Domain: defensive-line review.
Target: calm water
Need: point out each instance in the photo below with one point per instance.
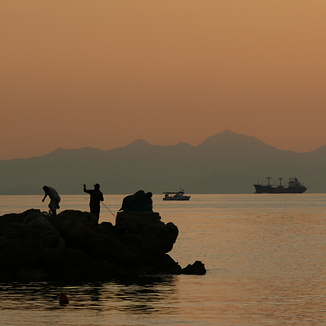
(265, 257)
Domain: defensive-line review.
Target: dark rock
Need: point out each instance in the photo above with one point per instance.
(31, 274)
(138, 202)
(197, 268)
(37, 246)
(3, 242)
(153, 235)
(78, 229)
(47, 234)
(31, 214)
(16, 218)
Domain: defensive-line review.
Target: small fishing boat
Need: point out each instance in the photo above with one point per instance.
(175, 195)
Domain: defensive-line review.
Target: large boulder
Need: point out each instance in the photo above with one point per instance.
(145, 230)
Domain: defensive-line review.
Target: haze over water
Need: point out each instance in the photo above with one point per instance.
(265, 257)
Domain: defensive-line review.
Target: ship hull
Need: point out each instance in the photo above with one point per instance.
(260, 189)
(177, 198)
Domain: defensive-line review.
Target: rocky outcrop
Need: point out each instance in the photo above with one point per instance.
(197, 268)
(35, 245)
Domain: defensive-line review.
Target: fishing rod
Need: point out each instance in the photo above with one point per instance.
(108, 209)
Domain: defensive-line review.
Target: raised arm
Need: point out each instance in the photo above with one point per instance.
(85, 190)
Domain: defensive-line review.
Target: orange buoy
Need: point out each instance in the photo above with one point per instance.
(63, 299)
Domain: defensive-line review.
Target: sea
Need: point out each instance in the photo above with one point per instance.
(265, 256)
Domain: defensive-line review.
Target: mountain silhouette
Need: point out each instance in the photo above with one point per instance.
(224, 163)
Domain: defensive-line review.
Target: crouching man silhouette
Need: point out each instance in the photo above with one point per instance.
(54, 199)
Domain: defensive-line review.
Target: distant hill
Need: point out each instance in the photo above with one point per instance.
(224, 163)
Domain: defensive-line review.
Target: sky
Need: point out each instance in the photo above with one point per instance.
(103, 73)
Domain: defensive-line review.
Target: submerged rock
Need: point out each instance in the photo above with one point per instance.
(197, 268)
(36, 245)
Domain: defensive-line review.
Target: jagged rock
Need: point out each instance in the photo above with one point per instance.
(197, 268)
(146, 230)
(36, 245)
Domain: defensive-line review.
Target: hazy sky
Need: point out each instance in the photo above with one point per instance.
(104, 73)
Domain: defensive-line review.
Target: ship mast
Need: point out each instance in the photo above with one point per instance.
(280, 181)
(268, 179)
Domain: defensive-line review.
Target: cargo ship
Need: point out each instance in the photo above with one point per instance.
(294, 187)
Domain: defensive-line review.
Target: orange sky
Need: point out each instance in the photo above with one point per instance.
(104, 73)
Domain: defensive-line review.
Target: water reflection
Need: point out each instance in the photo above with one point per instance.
(141, 296)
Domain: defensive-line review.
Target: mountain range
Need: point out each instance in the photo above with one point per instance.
(224, 163)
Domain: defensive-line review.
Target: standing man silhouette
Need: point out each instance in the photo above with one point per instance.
(54, 199)
(95, 199)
